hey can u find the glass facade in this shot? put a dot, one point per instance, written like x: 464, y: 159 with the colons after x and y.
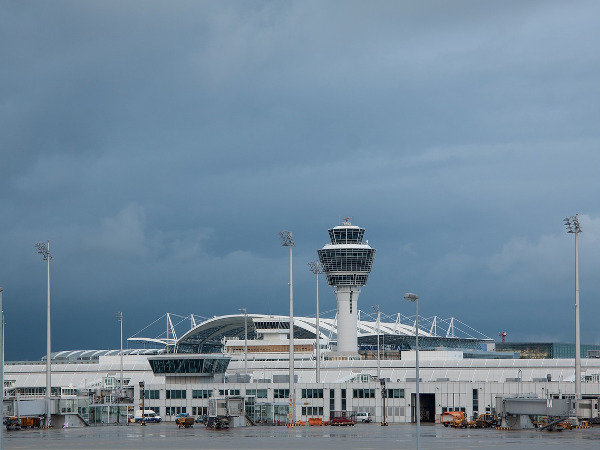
x: 202, y: 365
x: 346, y: 235
x: 545, y: 350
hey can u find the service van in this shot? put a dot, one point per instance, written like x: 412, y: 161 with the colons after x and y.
x: 364, y: 417
x: 149, y: 416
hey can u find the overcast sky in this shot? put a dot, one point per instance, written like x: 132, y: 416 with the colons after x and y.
x: 161, y: 146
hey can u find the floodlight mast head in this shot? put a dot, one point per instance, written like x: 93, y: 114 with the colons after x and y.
x: 411, y: 297
x: 315, y: 267
x: 286, y: 238
x: 43, y: 248
x: 572, y: 224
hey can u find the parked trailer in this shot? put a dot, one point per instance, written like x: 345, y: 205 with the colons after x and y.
x: 13, y: 423
x: 30, y: 422
x: 185, y: 422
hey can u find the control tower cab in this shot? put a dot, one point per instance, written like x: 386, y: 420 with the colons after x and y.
x: 347, y: 262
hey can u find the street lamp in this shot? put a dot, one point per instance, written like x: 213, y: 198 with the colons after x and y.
x: 316, y: 267
x: 44, y: 250
x: 415, y: 298
x: 120, y: 319
x: 2, y: 367
x: 245, y: 341
x: 287, y: 241
x: 143, y: 395
x: 376, y: 308
x: 572, y: 224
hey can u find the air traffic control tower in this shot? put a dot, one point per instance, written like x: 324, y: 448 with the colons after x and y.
x: 347, y: 262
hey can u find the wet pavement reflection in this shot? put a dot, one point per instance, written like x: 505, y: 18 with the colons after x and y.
x: 362, y: 436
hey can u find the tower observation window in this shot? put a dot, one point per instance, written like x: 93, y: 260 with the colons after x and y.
x: 346, y: 235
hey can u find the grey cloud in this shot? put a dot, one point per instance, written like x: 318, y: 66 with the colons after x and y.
x: 162, y: 147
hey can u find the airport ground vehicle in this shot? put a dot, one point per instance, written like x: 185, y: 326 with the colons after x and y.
x: 342, y: 418
x: 149, y: 416
x: 486, y: 420
x: 13, y: 423
x: 454, y: 419
x: 185, y: 422
x: 364, y: 417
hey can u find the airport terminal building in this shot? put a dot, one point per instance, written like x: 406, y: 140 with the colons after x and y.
x: 213, y: 360
x: 352, y: 361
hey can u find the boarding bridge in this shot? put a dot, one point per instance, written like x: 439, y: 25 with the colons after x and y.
x: 516, y: 412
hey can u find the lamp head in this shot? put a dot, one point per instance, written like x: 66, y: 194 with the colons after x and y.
x: 286, y: 238
x: 411, y: 297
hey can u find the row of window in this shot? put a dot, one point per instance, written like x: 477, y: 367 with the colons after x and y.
x: 199, y: 410
x: 312, y: 393
x: 281, y: 393
x: 151, y: 394
x: 258, y: 393
x: 154, y: 394
x: 447, y: 408
x: 346, y: 235
x: 271, y: 348
x: 312, y: 410
x: 395, y: 393
x: 306, y: 410
x: 229, y: 392
x: 174, y: 410
x: 363, y: 393
x: 202, y: 393
x: 175, y: 393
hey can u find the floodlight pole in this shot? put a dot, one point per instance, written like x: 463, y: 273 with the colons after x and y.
x: 2, y: 368
x: 143, y: 395
x: 316, y: 267
x: 44, y: 250
x: 288, y: 241
x: 245, y: 341
x: 120, y: 319
x: 572, y: 224
x: 415, y: 298
x: 376, y: 308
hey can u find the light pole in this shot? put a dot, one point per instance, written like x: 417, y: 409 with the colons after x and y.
x: 572, y: 224
x: 383, y: 397
x: 245, y: 341
x: 120, y: 319
x: 143, y: 395
x: 316, y: 267
x: 288, y: 241
x: 376, y: 308
x: 1, y: 368
x: 415, y: 298
x: 44, y: 250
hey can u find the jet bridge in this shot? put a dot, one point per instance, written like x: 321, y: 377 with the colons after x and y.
x: 516, y: 412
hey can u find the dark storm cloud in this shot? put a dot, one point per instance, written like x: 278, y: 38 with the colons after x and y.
x: 161, y: 147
